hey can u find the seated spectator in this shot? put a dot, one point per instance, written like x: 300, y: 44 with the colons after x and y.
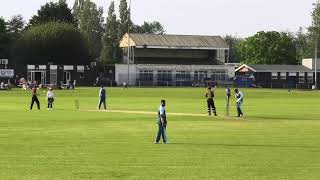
x: 2, y: 86
x: 24, y: 86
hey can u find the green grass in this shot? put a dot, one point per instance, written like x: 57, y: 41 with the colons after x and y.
x: 279, y: 138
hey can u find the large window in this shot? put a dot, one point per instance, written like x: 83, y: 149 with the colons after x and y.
x: 218, y: 75
x: 274, y: 76
x: 164, y: 75
x: 200, y: 75
x: 183, y: 76
x: 53, y: 76
x: 301, y: 78
x: 283, y: 76
x: 146, y: 75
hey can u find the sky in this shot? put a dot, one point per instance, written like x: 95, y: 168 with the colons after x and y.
x: 240, y: 18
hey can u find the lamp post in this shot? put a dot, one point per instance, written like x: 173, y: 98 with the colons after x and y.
x: 129, y: 14
x: 316, y: 44
x: 315, y: 61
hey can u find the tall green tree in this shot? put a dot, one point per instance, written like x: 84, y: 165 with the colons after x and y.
x: 4, y: 39
x: 15, y: 26
x: 234, y: 55
x: 91, y: 26
x: 125, y: 19
x: 110, y: 41
x: 268, y: 48
x: 154, y: 27
x: 53, y: 12
x: 314, y: 29
x: 56, y: 42
x: 76, y: 10
x: 304, y: 45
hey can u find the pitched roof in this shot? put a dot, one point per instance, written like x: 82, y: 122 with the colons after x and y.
x: 175, y: 41
x: 275, y: 68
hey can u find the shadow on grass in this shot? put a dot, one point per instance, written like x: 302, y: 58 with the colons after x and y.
x: 245, y: 145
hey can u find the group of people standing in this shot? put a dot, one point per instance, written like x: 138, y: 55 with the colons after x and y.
x: 162, y: 117
x: 34, y: 99
x: 210, y: 101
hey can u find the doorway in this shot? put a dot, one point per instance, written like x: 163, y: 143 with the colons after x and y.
x: 38, y: 76
x: 66, y: 77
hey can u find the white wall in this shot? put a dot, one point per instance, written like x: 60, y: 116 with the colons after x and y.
x: 121, y: 73
x: 309, y: 63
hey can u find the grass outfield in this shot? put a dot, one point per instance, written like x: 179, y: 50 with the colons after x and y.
x: 279, y: 137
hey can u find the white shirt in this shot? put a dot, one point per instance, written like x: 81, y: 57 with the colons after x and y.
x: 239, y: 96
x: 50, y: 94
x: 162, y: 110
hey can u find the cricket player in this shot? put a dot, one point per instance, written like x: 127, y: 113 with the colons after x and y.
x: 50, y: 98
x: 239, y: 97
x: 125, y: 86
x: 34, y: 97
x: 102, y: 97
x: 228, y: 95
x: 162, y: 123
x: 210, y: 100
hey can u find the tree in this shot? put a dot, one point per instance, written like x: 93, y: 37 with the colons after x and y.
x: 268, y: 48
x: 314, y: 29
x: 154, y: 27
x: 53, y: 12
x: 3, y: 27
x: 91, y: 27
x: 76, y: 10
x: 125, y: 20
x: 4, y: 39
x: 15, y: 26
x: 303, y: 45
x: 110, y: 41
x: 56, y: 42
x: 234, y: 56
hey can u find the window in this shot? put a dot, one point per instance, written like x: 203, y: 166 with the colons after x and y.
x: 283, y: 76
x: 301, y: 78
x: 310, y: 77
x: 53, y: 76
x: 80, y: 69
x: 218, y: 75
x: 200, y: 75
x: 274, y: 76
x: 293, y: 74
x: 183, y: 76
x: 164, y: 76
x: 146, y: 75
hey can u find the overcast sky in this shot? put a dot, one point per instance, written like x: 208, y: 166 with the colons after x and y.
x: 202, y: 17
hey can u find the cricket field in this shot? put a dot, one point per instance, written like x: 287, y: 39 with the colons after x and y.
x: 278, y: 138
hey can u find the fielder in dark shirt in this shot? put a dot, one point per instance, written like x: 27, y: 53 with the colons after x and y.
x: 102, y: 98
x: 34, y: 98
x: 210, y: 101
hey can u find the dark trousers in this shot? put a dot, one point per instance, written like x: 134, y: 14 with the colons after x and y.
x: 50, y: 102
x: 211, y: 105
x: 35, y: 99
x: 161, y: 132
x: 102, y: 100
